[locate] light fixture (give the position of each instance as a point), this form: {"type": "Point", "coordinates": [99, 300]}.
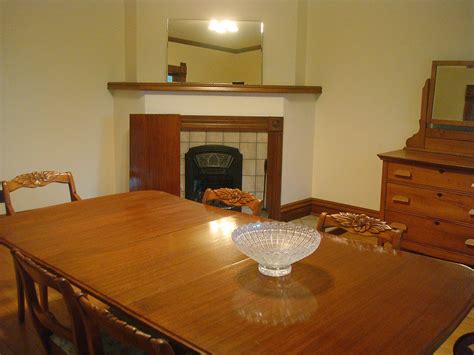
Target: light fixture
{"type": "Point", "coordinates": [223, 26]}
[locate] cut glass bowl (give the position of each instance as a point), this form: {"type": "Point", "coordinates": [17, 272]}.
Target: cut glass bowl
{"type": "Point", "coordinates": [276, 245]}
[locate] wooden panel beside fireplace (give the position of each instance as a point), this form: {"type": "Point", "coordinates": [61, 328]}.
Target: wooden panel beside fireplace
{"type": "Point", "coordinates": [153, 167]}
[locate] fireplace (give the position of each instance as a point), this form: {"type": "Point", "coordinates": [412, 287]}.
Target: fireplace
{"type": "Point", "coordinates": [211, 166]}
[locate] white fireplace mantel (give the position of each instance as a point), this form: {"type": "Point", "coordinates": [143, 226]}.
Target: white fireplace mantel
{"type": "Point", "coordinates": [297, 109]}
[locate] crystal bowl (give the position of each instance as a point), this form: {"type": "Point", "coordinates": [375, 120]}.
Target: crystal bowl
{"type": "Point", "coordinates": [276, 245]}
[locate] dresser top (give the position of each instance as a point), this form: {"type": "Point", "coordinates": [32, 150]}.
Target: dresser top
{"type": "Point", "coordinates": [429, 158]}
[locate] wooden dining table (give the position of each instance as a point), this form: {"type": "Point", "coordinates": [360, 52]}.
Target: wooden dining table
{"type": "Point", "coordinates": [171, 265]}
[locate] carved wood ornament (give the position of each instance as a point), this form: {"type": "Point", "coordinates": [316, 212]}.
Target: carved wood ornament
{"type": "Point", "coordinates": [37, 178]}
{"type": "Point", "coordinates": [361, 223]}
{"type": "Point", "coordinates": [233, 197]}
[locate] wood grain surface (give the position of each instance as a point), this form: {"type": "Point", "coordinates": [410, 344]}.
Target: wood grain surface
{"type": "Point", "coordinates": [171, 264]}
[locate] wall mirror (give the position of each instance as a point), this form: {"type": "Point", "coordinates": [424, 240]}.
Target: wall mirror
{"type": "Point", "coordinates": [215, 51]}
{"type": "Point", "coordinates": [451, 100]}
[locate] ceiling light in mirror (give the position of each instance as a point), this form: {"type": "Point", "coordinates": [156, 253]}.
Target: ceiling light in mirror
{"type": "Point", "coordinates": [223, 26]}
{"type": "Point", "coordinates": [196, 54]}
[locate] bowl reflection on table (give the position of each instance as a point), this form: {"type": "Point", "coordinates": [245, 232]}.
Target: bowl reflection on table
{"type": "Point", "coordinates": [276, 245]}
{"type": "Point", "coordinates": [274, 301]}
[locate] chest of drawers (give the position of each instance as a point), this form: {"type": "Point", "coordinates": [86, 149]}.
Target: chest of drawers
{"type": "Point", "coordinates": [432, 196]}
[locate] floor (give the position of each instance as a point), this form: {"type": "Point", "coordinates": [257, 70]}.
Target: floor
{"type": "Point", "coordinates": [22, 339]}
{"type": "Point", "coordinates": [447, 347]}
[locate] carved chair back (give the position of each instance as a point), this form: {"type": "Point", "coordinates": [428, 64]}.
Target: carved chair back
{"type": "Point", "coordinates": [363, 225]}
{"type": "Point", "coordinates": [99, 319]}
{"type": "Point", "coordinates": [233, 198]}
{"type": "Point", "coordinates": [37, 179]}
{"type": "Point", "coordinates": [44, 321]}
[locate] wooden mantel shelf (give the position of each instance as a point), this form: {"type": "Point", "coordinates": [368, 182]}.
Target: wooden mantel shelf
{"type": "Point", "coordinates": [197, 87]}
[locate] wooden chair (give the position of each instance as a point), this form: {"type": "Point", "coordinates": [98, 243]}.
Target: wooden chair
{"type": "Point", "coordinates": [45, 323]}
{"type": "Point", "coordinates": [33, 180]}
{"type": "Point", "coordinates": [233, 198]}
{"type": "Point", "coordinates": [37, 179]}
{"type": "Point", "coordinates": [363, 225]}
{"type": "Point", "coordinates": [99, 319]}
{"type": "Point", "coordinates": [87, 320]}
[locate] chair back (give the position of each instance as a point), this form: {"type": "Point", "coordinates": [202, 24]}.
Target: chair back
{"type": "Point", "coordinates": [37, 179]}
{"type": "Point", "coordinates": [363, 225]}
{"type": "Point", "coordinates": [233, 198]}
{"type": "Point", "coordinates": [44, 321]}
{"type": "Point", "coordinates": [99, 319]}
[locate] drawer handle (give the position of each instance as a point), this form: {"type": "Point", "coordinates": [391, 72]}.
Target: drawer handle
{"type": "Point", "coordinates": [469, 243]}
{"type": "Point", "coordinates": [471, 212]}
{"type": "Point", "coordinates": [402, 173]}
{"type": "Point", "coordinates": [401, 199]}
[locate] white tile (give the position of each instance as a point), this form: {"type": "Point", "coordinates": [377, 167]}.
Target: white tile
{"type": "Point", "coordinates": [231, 137]}
{"type": "Point", "coordinates": [195, 144]}
{"type": "Point", "coordinates": [248, 167]}
{"type": "Point", "coordinates": [248, 137]}
{"type": "Point", "coordinates": [248, 183]}
{"type": "Point", "coordinates": [259, 195]}
{"type": "Point", "coordinates": [214, 137]}
{"type": "Point", "coordinates": [262, 151]}
{"type": "Point", "coordinates": [260, 168]}
{"type": "Point", "coordinates": [262, 137]}
{"type": "Point", "coordinates": [183, 148]}
{"type": "Point", "coordinates": [181, 182]}
{"type": "Point", "coordinates": [181, 166]}
{"type": "Point", "coordinates": [248, 150]}
{"type": "Point", "coordinates": [181, 194]}
{"type": "Point", "coordinates": [197, 137]}
{"type": "Point", "coordinates": [232, 144]}
{"type": "Point", "coordinates": [184, 136]}
{"type": "Point", "coordinates": [247, 210]}
{"type": "Point", "coordinates": [259, 183]}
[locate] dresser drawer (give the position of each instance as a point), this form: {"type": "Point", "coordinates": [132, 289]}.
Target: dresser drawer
{"type": "Point", "coordinates": [431, 232]}
{"type": "Point", "coordinates": [432, 203]}
{"type": "Point", "coordinates": [436, 177]}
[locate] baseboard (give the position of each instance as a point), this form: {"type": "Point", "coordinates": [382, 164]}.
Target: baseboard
{"type": "Point", "coordinates": [296, 209]}
{"type": "Point", "coordinates": [315, 206]}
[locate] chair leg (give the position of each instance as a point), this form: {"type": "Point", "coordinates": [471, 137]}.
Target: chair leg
{"type": "Point", "coordinates": [44, 297]}
{"type": "Point", "coordinates": [20, 297]}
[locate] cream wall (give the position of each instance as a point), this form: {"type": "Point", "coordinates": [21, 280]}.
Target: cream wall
{"type": "Point", "coordinates": [58, 58]}
{"type": "Point", "coordinates": [372, 58]}
{"type": "Point", "coordinates": [279, 42]}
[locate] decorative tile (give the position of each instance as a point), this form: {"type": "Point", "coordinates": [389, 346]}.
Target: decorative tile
{"type": "Point", "coordinates": [195, 144]}
{"type": "Point", "coordinates": [260, 167]}
{"type": "Point", "coordinates": [248, 167]}
{"type": "Point", "coordinates": [248, 150]}
{"type": "Point", "coordinates": [183, 148]}
{"type": "Point", "coordinates": [259, 180]}
{"type": "Point", "coordinates": [248, 183]}
{"type": "Point", "coordinates": [214, 137]}
{"type": "Point", "coordinates": [262, 151]}
{"type": "Point", "coordinates": [184, 136]}
{"type": "Point", "coordinates": [181, 166]}
{"type": "Point", "coordinates": [248, 137]}
{"type": "Point", "coordinates": [181, 194]}
{"type": "Point", "coordinates": [197, 137]}
{"type": "Point", "coordinates": [262, 137]}
{"type": "Point", "coordinates": [259, 195]}
{"type": "Point", "coordinates": [231, 137]}
{"type": "Point", "coordinates": [181, 182]}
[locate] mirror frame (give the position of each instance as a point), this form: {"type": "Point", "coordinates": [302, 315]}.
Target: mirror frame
{"type": "Point", "coordinates": [429, 118]}
{"type": "Point", "coordinates": [167, 65]}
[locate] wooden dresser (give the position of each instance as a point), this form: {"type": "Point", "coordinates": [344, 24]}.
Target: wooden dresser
{"type": "Point", "coordinates": [428, 187]}
{"type": "Point", "coordinates": [432, 195]}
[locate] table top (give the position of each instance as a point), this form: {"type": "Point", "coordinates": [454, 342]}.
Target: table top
{"type": "Point", "coordinates": [171, 264]}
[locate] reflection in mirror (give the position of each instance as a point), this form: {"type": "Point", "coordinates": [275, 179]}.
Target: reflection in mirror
{"type": "Point", "coordinates": [454, 93]}
{"type": "Point", "coordinates": [207, 51]}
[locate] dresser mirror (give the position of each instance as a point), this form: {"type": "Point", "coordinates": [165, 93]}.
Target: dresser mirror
{"type": "Point", "coordinates": [215, 51]}
{"type": "Point", "coordinates": [451, 97]}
